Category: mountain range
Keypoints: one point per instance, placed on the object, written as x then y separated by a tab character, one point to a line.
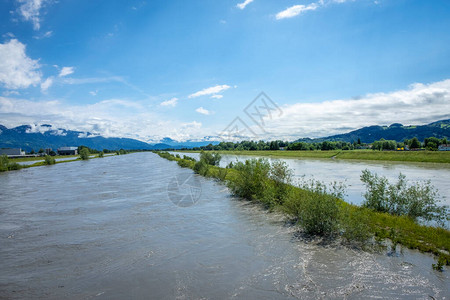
36	137
396	131
44	136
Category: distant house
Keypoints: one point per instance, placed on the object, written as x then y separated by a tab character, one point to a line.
444	147
12	151
68	151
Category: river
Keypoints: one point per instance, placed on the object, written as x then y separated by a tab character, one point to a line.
110	229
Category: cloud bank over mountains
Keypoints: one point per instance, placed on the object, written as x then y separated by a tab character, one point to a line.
419	104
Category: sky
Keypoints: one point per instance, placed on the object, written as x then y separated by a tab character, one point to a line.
228	69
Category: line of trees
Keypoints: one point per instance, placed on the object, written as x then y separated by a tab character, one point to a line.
431	143
245	145
277	145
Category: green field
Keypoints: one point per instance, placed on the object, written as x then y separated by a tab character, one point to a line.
412	156
409	156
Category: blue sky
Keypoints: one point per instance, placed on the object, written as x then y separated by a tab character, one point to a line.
186	69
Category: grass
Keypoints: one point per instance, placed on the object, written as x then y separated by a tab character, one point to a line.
401	156
43	163
38	158
409	156
319	211
6	165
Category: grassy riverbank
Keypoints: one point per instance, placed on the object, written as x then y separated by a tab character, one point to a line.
407	156
318	211
13	164
40	158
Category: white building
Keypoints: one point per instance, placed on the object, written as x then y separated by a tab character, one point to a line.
444	147
11	151
68	151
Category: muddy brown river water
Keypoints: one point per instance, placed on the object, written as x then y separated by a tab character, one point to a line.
110	229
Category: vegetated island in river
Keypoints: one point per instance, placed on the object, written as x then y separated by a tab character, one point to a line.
392	212
12	164
400	156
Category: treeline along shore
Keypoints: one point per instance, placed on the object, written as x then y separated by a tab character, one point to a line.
392	214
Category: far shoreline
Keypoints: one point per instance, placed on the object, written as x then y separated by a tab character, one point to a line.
441	157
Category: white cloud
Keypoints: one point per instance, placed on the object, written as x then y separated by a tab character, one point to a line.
93	93
244	4
30	10
210	91
192	125
17	70
46	84
419	104
92	80
37	128
43	36
171	102
295	11
8	35
66	71
110	118
203	111
217	96
9	93
120	103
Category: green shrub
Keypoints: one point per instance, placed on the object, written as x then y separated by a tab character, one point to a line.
84	154
48	160
336	189
14	166
315	207
253	174
281	182
188	158
185	163
165	155
293	203
354	223
5	165
441	262
211	158
201	167
415	201
319	214
101	154
220	173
